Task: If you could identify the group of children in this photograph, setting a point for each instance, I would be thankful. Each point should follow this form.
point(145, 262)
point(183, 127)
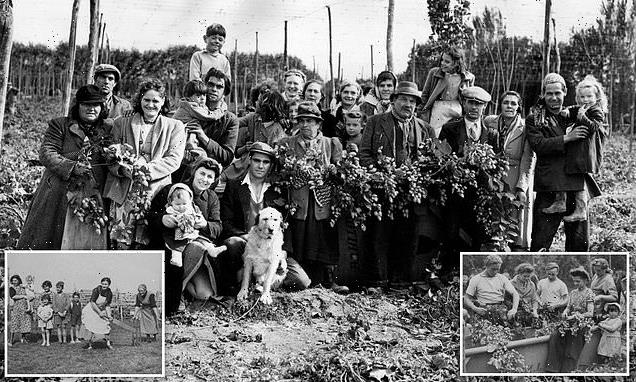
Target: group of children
point(55, 311)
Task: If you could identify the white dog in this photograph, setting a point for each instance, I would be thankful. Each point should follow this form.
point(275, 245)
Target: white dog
point(264, 255)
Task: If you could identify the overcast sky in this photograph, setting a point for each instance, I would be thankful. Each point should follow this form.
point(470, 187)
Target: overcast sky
point(84, 270)
point(153, 24)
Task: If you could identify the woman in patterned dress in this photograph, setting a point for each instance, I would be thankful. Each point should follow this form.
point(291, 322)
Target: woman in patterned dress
point(564, 351)
point(20, 322)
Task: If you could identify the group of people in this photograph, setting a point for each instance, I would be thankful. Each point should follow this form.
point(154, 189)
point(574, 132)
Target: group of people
point(56, 310)
point(207, 173)
point(493, 296)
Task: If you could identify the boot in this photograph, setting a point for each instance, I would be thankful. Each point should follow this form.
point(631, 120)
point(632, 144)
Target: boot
point(558, 206)
point(330, 280)
point(580, 209)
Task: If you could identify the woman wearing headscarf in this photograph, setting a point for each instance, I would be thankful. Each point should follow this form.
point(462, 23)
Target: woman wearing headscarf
point(197, 276)
point(96, 315)
point(528, 299)
point(146, 312)
point(158, 143)
point(378, 100)
point(443, 87)
point(564, 350)
point(72, 153)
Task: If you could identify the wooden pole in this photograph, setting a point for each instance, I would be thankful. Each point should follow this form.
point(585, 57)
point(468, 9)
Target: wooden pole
point(333, 88)
point(413, 62)
point(99, 38)
point(557, 65)
point(545, 68)
point(256, 63)
point(71, 59)
point(101, 44)
point(339, 78)
point(235, 76)
point(371, 62)
point(314, 71)
point(107, 53)
point(6, 43)
point(389, 37)
point(93, 40)
point(285, 58)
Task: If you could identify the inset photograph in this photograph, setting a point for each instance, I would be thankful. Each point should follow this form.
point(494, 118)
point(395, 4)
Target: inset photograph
point(544, 314)
point(84, 313)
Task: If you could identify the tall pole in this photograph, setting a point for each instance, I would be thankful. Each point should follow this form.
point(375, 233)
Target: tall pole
point(101, 44)
point(6, 43)
point(256, 64)
point(333, 88)
point(285, 58)
point(545, 68)
point(314, 71)
point(100, 37)
point(93, 40)
point(389, 37)
point(339, 58)
point(235, 78)
point(71, 58)
point(371, 62)
point(413, 62)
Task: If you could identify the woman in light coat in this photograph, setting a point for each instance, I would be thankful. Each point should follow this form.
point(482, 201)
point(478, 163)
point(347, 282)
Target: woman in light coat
point(521, 159)
point(158, 143)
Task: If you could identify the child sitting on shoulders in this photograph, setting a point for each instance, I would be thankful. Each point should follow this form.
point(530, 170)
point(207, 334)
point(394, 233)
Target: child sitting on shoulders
point(211, 57)
point(76, 318)
point(45, 319)
point(584, 155)
point(610, 343)
point(30, 293)
point(187, 214)
point(353, 124)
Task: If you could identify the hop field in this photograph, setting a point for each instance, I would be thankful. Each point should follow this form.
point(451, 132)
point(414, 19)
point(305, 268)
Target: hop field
point(314, 335)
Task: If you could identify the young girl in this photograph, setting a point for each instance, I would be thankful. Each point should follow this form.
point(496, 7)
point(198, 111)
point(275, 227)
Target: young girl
point(45, 319)
point(584, 155)
point(181, 206)
point(46, 289)
point(610, 343)
point(353, 125)
point(76, 317)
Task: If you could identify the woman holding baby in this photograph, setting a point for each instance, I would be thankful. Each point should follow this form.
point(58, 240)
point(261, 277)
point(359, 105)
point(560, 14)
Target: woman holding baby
point(195, 273)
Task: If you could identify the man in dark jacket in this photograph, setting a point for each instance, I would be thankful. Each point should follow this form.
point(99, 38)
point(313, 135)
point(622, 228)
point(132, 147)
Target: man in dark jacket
point(547, 135)
point(106, 78)
point(242, 200)
point(471, 128)
point(392, 244)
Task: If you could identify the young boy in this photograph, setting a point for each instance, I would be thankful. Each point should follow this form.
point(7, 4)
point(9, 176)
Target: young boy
point(76, 318)
point(211, 56)
point(61, 304)
point(353, 124)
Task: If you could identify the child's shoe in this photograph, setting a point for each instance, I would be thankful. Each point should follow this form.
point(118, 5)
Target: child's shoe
point(177, 258)
point(212, 250)
point(558, 206)
point(580, 210)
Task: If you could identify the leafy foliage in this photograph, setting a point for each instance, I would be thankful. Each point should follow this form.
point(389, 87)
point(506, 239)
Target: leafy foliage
point(449, 25)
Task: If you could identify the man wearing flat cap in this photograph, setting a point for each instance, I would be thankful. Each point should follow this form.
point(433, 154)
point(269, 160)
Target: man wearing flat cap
point(470, 128)
point(397, 133)
point(106, 78)
point(242, 200)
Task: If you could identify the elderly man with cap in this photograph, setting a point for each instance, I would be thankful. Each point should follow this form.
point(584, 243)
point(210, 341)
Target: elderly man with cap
point(106, 78)
point(486, 292)
point(470, 128)
point(552, 291)
point(392, 244)
point(548, 132)
point(242, 200)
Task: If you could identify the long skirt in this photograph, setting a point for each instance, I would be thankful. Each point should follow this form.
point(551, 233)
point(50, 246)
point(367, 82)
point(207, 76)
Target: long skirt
point(442, 112)
point(147, 321)
point(564, 352)
point(20, 321)
point(314, 240)
point(79, 235)
point(93, 322)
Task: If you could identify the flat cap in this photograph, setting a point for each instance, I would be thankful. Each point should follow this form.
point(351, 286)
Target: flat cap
point(476, 93)
point(601, 262)
point(308, 109)
point(108, 68)
point(263, 148)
